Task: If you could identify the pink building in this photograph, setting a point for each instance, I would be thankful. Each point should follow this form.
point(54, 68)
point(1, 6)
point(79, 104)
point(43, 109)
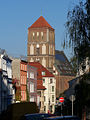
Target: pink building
point(23, 79)
point(32, 83)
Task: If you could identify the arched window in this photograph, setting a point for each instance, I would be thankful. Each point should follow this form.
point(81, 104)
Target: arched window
point(44, 62)
point(31, 50)
point(43, 49)
point(31, 60)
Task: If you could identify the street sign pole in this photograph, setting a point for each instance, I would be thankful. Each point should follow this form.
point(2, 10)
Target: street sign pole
point(72, 107)
point(61, 109)
point(72, 98)
point(61, 100)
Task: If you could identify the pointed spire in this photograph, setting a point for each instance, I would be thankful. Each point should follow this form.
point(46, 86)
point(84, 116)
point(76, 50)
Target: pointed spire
point(41, 23)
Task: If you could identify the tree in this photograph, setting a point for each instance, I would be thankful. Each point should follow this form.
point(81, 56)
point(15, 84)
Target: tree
point(78, 30)
point(82, 94)
point(73, 62)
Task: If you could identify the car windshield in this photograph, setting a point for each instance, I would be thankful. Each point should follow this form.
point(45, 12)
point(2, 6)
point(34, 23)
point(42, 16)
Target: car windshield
point(36, 116)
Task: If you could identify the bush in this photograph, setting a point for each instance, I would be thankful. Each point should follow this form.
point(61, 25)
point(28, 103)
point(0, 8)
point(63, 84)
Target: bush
point(15, 111)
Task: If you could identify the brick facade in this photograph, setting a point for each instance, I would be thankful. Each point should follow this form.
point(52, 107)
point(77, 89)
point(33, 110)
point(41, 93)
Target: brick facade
point(41, 44)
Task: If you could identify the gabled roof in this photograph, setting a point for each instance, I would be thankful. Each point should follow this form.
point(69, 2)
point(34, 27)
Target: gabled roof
point(41, 23)
point(62, 64)
point(40, 87)
point(40, 69)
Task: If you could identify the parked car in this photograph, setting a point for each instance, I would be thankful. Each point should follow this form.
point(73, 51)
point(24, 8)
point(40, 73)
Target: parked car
point(62, 118)
point(36, 116)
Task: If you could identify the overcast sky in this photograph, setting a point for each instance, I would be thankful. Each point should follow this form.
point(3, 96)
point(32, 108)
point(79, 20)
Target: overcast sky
point(17, 15)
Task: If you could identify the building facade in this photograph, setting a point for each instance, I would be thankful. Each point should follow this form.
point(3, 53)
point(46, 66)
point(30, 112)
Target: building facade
point(6, 88)
point(63, 72)
point(19, 73)
point(32, 83)
point(41, 43)
point(23, 80)
point(46, 84)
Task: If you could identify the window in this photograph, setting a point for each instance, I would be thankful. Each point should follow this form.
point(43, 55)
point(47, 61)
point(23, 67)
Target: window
point(51, 81)
point(31, 49)
point(32, 75)
point(43, 72)
point(44, 98)
point(42, 35)
point(43, 80)
point(31, 98)
point(27, 75)
point(52, 88)
point(44, 108)
point(33, 35)
point(31, 87)
point(23, 94)
point(43, 49)
point(52, 98)
point(38, 35)
point(44, 62)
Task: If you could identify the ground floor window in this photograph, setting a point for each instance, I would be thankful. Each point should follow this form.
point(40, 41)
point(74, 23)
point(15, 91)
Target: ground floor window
point(44, 108)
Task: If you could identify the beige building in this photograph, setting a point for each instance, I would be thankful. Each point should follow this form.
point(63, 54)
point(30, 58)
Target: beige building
point(46, 88)
point(49, 94)
point(41, 43)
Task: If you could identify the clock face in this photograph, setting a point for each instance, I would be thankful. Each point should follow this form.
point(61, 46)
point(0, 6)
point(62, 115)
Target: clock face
point(37, 45)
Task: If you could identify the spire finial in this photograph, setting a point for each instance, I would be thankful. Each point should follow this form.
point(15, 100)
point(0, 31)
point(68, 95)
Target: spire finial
point(41, 12)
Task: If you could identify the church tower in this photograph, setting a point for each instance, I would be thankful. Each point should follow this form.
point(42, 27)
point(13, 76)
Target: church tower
point(41, 43)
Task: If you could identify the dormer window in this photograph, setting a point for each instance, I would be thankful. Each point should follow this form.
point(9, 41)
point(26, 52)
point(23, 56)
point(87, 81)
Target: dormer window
point(43, 72)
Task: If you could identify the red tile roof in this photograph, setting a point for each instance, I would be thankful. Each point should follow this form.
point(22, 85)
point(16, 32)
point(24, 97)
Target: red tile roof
point(40, 87)
point(41, 23)
point(40, 69)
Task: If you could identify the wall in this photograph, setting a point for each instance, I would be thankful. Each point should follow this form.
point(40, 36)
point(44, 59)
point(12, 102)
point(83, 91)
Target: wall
point(48, 93)
point(16, 69)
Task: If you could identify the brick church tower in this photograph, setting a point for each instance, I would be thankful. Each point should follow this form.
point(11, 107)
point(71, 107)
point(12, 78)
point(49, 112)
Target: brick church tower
point(41, 43)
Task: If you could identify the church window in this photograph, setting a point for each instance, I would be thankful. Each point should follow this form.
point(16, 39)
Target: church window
point(44, 62)
point(42, 35)
point(38, 35)
point(43, 72)
point(31, 50)
point(33, 35)
point(44, 49)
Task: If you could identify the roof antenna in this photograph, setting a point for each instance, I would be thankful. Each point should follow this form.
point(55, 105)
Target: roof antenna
point(41, 12)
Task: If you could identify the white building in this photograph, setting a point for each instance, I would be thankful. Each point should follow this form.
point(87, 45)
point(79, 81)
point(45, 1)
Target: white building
point(6, 89)
point(46, 87)
point(49, 93)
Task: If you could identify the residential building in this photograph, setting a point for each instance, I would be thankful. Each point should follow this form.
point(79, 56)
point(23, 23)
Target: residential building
point(32, 83)
point(46, 80)
point(23, 79)
point(6, 88)
point(19, 72)
point(63, 72)
point(41, 43)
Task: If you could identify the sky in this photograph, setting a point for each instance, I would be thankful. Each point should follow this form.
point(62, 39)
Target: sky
point(17, 15)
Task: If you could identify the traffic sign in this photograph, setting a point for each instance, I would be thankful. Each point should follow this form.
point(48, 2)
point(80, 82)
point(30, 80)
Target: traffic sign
point(72, 98)
point(61, 99)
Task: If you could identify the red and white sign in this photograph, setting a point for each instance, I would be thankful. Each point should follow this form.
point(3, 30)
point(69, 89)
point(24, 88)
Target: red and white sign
point(61, 99)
